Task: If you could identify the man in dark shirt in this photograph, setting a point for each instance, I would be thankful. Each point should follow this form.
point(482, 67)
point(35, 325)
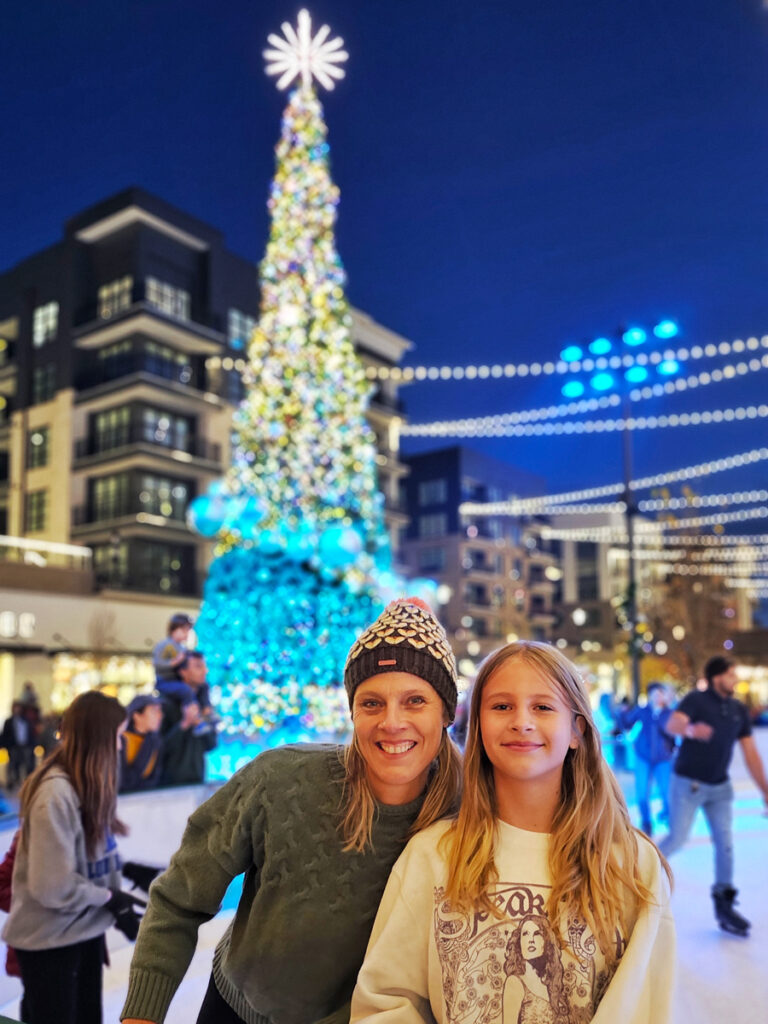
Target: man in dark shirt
point(710, 722)
point(186, 746)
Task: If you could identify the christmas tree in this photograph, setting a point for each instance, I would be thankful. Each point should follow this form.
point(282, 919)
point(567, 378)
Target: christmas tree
point(298, 518)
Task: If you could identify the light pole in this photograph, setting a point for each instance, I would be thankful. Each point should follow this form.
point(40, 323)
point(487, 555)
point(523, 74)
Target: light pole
point(604, 381)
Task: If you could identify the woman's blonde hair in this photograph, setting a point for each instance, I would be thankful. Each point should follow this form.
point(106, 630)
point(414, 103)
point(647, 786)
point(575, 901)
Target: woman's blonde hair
point(593, 852)
point(359, 803)
point(88, 755)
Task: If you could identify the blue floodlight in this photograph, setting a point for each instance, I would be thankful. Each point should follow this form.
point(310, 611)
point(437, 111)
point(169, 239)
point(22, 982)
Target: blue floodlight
point(634, 336)
point(666, 329)
point(669, 367)
point(636, 375)
point(573, 389)
point(571, 354)
point(602, 381)
point(600, 347)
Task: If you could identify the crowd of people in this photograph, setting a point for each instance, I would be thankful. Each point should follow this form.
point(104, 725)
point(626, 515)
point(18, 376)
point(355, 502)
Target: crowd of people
point(391, 876)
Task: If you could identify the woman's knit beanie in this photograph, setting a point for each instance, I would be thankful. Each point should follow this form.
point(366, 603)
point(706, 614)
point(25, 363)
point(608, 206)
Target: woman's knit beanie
point(406, 637)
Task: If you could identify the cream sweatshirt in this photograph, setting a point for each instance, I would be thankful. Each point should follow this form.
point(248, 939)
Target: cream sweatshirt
point(427, 962)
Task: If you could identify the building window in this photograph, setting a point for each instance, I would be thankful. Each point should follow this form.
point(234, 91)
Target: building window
point(166, 428)
point(435, 525)
point(35, 511)
point(115, 297)
point(476, 593)
point(432, 559)
point(166, 298)
point(167, 568)
point(110, 562)
point(43, 383)
point(160, 496)
point(110, 496)
point(45, 323)
point(587, 580)
point(167, 362)
point(240, 328)
point(37, 447)
point(111, 428)
point(433, 492)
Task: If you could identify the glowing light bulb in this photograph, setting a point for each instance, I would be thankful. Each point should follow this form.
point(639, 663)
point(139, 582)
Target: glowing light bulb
point(600, 347)
point(602, 381)
point(571, 354)
point(666, 329)
point(634, 336)
point(669, 367)
point(573, 389)
point(636, 374)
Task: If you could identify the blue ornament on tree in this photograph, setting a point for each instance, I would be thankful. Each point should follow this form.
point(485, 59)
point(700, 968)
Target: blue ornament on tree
point(206, 515)
point(339, 546)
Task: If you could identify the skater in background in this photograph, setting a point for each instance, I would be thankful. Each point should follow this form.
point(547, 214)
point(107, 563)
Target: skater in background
point(66, 889)
point(710, 722)
point(654, 749)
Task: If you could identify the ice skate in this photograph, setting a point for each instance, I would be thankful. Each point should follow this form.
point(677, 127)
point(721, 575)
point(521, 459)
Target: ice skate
point(728, 918)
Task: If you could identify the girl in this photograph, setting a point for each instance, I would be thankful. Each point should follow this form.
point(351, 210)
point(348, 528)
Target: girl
point(316, 831)
point(66, 876)
point(542, 842)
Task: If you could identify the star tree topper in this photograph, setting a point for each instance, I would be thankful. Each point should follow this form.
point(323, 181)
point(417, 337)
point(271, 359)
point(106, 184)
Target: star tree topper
point(301, 56)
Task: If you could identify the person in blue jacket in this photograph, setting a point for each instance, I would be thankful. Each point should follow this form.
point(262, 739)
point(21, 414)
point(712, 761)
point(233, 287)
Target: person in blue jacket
point(654, 751)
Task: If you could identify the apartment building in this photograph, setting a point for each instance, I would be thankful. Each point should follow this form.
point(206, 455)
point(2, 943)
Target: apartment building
point(121, 351)
point(498, 578)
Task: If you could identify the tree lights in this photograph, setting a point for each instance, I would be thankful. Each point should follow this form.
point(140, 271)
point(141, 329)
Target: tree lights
point(298, 519)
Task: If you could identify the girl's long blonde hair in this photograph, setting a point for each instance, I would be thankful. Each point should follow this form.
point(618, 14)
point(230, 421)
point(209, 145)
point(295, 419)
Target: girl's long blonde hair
point(88, 755)
point(359, 803)
point(593, 851)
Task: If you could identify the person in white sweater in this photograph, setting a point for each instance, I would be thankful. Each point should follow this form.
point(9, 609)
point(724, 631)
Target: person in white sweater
point(539, 903)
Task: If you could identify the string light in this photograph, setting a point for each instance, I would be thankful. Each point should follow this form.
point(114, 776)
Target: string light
point(737, 516)
point(535, 505)
point(408, 374)
point(670, 421)
point(702, 500)
point(516, 508)
point(670, 387)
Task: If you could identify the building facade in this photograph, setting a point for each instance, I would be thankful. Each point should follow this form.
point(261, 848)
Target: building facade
point(121, 351)
point(498, 578)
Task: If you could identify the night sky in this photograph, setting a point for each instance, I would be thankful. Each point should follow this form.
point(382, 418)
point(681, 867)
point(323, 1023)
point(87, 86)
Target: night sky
point(514, 176)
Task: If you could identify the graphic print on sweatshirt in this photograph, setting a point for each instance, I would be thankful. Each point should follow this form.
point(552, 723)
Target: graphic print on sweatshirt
point(513, 970)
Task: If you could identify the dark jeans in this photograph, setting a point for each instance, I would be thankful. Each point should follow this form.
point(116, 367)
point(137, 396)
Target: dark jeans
point(214, 1010)
point(63, 984)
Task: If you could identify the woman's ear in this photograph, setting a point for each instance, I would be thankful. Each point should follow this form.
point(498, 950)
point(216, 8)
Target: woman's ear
point(580, 727)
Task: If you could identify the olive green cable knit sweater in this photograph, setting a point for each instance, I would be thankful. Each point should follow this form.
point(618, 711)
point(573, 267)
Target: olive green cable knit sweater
point(293, 950)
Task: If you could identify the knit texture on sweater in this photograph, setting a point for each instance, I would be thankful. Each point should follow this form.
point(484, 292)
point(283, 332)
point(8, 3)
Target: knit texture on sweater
point(292, 953)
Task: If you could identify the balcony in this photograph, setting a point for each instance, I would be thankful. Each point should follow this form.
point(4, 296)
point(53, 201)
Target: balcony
point(46, 566)
point(112, 444)
point(201, 334)
point(181, 584)
point(131, 511)
point(121, 366)
point(386, 402)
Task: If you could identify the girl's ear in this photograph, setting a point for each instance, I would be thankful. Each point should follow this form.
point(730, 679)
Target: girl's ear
point(580, 727)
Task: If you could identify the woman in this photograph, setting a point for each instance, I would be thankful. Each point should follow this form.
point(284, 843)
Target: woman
point(542, 833)
point(534, 988)
point(66, 877)
point(316, 830)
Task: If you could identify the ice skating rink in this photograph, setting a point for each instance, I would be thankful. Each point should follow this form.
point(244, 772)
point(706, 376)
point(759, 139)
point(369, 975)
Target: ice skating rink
point(720, 977)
